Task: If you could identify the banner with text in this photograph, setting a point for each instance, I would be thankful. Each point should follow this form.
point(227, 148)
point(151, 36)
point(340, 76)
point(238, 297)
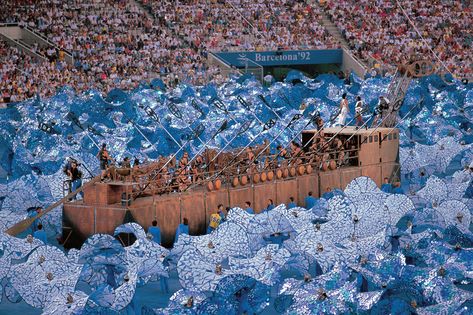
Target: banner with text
point(281, 57)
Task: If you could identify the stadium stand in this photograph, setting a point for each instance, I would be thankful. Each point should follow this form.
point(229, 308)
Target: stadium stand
point(245, 24)
point(114, 44)
point(118, 44)
point(379, 30)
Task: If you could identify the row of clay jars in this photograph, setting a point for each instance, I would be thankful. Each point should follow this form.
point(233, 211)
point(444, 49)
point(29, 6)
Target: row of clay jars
point(269, 176)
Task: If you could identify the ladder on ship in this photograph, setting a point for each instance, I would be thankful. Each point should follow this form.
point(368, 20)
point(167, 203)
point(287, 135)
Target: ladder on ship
point(396, 93)
point(398, 87)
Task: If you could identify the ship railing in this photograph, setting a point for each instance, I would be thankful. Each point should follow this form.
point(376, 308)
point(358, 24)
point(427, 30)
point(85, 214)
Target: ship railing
point(67, 185)
point(245, 173)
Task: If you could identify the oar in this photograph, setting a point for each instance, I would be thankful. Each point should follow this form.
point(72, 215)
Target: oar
point(25, 224)
point(234, 161)
point(175, 154)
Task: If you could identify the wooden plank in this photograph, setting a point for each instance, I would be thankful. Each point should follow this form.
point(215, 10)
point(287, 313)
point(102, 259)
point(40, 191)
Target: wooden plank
point(262, 193)
point(193, 208)
point(107, 219)
point(347, 175)
point(329, 180)
point(369, 152)
point(238, 197)
point(168, 211)
point(103, 194)
point(80, 218)
point(374, 172)
point(390, 170)
point(144, 213)
point(286, 189)
point(389, 151)
point(305, 184)
point(90, 195)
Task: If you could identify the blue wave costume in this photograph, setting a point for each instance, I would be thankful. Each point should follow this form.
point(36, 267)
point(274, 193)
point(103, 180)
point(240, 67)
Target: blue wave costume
point(41, 235)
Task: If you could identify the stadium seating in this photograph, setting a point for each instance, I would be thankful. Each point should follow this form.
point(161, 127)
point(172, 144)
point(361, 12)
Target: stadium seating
point(380, 30)
point(118, 44)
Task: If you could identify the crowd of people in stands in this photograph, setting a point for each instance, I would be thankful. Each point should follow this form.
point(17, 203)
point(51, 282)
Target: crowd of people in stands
point(118, 44)
point(113, 45)
point(244, 24)
point(381, 31)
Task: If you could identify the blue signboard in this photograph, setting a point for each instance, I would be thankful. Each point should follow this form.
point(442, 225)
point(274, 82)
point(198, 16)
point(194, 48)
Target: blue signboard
point(281, 58)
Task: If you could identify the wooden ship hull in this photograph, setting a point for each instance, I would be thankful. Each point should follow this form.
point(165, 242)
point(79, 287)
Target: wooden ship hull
point(142, 198)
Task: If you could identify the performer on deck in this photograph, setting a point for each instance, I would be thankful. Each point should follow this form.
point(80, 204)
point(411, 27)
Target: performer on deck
point(76, 178)
point(184, 160)
point(295, 153)
point(197, 169)
point(104, 159)
point(318, 121)
point(183, 180)
point(358, 112)
point(283, 155)
point(343, 110)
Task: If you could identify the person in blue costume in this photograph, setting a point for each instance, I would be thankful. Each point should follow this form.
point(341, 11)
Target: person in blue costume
point(222, 214)
point(244, 306)
point(155, 232)
point(40, 234)
point(133, 308)
point(248, 208)
point(32, 214)
point(328, 194)
point(386, 186)
point(398, 189)
point(310, 201)
point(183, 228)
point(270, 205)
point(163, 281)
point(423, 177)
point(291, 203)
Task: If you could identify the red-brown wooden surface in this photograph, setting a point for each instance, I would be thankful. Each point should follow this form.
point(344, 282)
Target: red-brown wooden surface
point(286, 189)
point(305, 184)
point(262, 193)
point(193, 208)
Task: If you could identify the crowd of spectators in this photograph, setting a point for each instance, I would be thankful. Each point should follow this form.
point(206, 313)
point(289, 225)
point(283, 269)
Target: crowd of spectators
point(240, 25)
point(120, 43)
point(113, 43)
point(379, 30)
